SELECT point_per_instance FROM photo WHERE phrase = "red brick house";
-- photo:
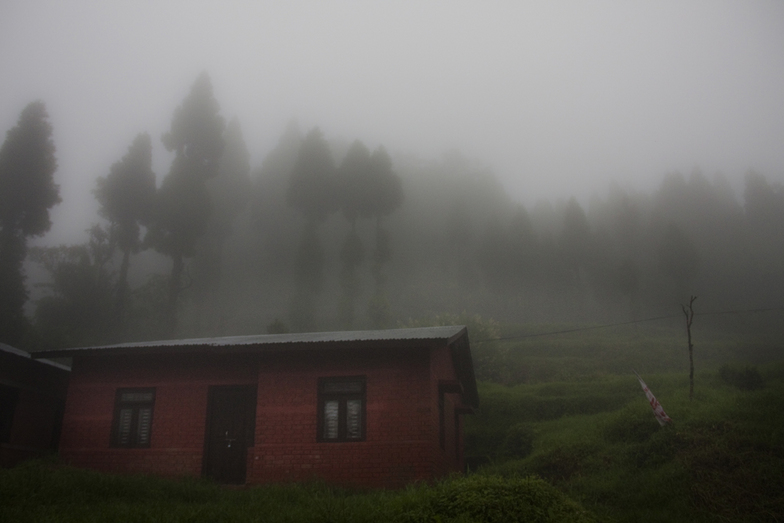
(32, 396)
(376, 408)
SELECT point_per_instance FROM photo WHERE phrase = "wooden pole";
(689, 313)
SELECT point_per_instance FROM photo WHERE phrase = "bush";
(745, 378)
(518, 442)
(490, 499)
(631, 425)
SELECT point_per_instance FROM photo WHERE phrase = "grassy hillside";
(569, 409)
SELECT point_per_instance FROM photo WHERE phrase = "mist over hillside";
(316, 238)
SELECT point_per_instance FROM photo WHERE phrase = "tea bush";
(491, 499)
(745, 378)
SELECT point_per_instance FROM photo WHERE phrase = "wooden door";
(231, 417)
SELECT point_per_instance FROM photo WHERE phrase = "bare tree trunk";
(689, 313)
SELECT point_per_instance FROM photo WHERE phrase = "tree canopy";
(127, 193)
(312, 188)
(27, 166)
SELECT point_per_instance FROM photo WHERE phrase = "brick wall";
(398, 428)
(402, 434)
(177, 436)
(449, 458)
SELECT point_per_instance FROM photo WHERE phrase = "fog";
(336, 165)
(555, 98)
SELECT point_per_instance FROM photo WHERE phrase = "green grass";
(47, 491)
(589, 354)
(723, 457)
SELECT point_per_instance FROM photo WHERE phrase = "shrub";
(519, 441)
(631, 425)
(744, 378)
(490, 499)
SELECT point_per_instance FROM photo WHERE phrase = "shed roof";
(454, 336)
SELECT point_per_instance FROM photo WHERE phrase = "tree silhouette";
(273, 226)
(182, 204)
(27, 192)
(575, 239)
(126, 196)
(460, 239)
(79, 310)
(627, 279)
(764, 205)
(229, 193)
(763, 238)
(385, 195)
(312, 188)
(312, 191)
(494, 257)
(523, 248)
(354, 178)
(678, 258)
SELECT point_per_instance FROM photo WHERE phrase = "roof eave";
(242, 348)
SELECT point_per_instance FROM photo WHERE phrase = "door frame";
(250, 411)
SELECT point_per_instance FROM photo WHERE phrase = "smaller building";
(32, 397)
(370, 408)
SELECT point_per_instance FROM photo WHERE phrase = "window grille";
(132, 425)
(341, 409)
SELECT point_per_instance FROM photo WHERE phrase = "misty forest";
(331, 235)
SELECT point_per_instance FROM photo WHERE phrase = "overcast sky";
(557, 97)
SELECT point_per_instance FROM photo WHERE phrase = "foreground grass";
(721, 459)
(46, 491)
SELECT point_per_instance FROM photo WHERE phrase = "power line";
(608, 325)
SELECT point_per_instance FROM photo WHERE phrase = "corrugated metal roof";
(421, 333)
(24, 354)
(14, 350)
(454, 335)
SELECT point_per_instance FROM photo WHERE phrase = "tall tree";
(182, 204)
(311, 191)
(270, 213)
(575, 239)
(354, 187)
(27, 192)
(523, 249)
(764, 238)
(385, 195)
(126, 196)
(678, 258)
(229, 194)
(494, 257)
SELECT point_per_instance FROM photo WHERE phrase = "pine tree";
(354, 177)
(182, 204)
(312, 191)
(386, 195)
(126, 196)
(27, 192)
